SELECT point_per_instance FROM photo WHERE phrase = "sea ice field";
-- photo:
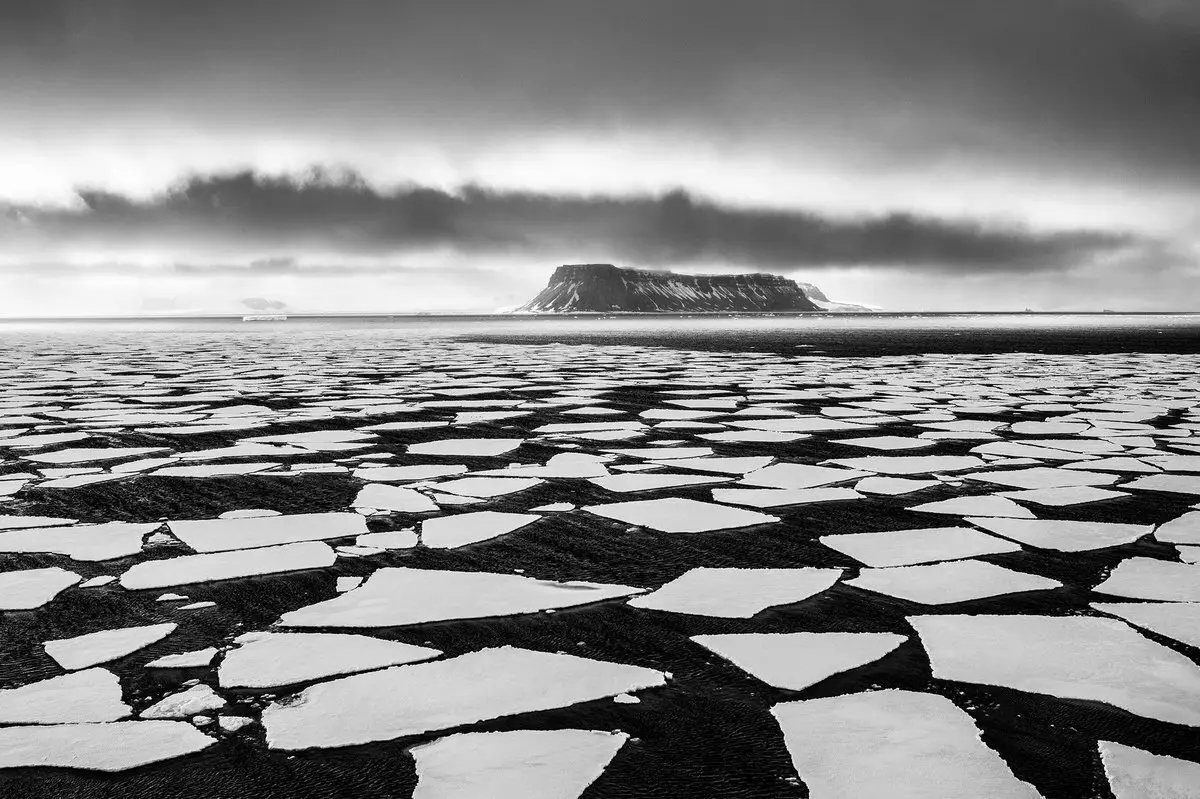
(533, 562)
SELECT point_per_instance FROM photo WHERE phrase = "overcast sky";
(372, 155)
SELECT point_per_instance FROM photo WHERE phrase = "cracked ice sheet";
(211, 567)
(267, 660)
(397, 596)
(91, 695)
(795, 661)
(1177, 620)
(114, 746)
(426, 697)
(1147, 578)
(31, 588)
(1137, 774)
(105, 645)
(447, 532)
(1074, 657)
(531, 764)
(908, 547)
(892, 745)
(218, 535)
(1062, 535)
(946, 583)
(736, 593)
(88, 542)
(675, 515)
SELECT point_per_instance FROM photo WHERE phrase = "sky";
(159, 156)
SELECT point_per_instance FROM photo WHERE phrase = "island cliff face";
(603, 288)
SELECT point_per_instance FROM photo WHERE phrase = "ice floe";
(466, 447)
(447, 532)
(394, 498)
(393, 597)
(426, 697)
(531, 764)
(892, 745)
(794, 661)
(185, 660)
(1184, 529)
(736, 593)
(85, 542)
(268, 660)
(778, 497)
(1065, 496)
(1045, 477)
(911, 464)
(985, 505)
(488, 487)
(208, 567)
(1177, 620)
(908, 547)
(115, 746)
(677, 515)
(642, 481)
(1075, 657)
(892, 486)
(189, 702)
(91, 695)
(799, 475)
(105, 645)
(1063, 535)
(407, 474)
(219, 535)
(1147, 578)
(946, 583)
(1137, 774)
(27, 589)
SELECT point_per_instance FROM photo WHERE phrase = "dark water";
(709, 733)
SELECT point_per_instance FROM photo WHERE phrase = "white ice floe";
(664, 453)
(1147, 578)
(753, 437)
(345, 584)
(19, 522)
(466, 447)
(986, 505)
(1062, 535)
(946, 583)
(397, 596)
(488, 487)
(643, 481)
(893, 745)
(892, 486)
(96, 582)
(554, 507)
(888, 443)
(394, 498)
(1137, 774)
(170, 597)
(738, 466)
(1189, 554)
(800, 424)
(736, 593)
(1118, 464)
(248, 513)
(233, 723)
(675, 515)
(189, 569)
(447, 532)
(1064, 496)
(190, 702)
(531, 764)
(89, 542)
(1075, 657)
(407, 474)
(93, 455)
(27, 589)
(794, 661)
(198, 658)
(100, 647)
(1048, 428)
(799, 475)
(1184, 529)
(268, 660)
(215, 470)
(908, 547)
(219, 535)
(1177, 620)
(197, 605)
(391, 539)
(426, 697)
(778, 497)
(911, 464)
(92, 695)
(1045, 477)
(115, 746)
(1167, 483)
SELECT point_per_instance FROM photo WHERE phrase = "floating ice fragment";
(1075, 657)
(1044, 477)
(214, 470)
(891, 486)
(219, 535)
(91, 455)
(234, 723)
(100, 647)
(27, 589)
(100, 747)
(1147, 578)
(799, 475)
(404, 474)
(249, 513)
(447, 532)
(892, 745)
(555, 507)
(345, 584)
(778, 497)
(1062, 535)
(397, 596)
(986, 505)
(794, 661)
(641, 481)
(410, 700)
(185, 660)
(911, 464)
(736, 593)
(1167, 483)
(946, 583)
(1177, 620)
(193, 701)
(91, 695)
(393, 498)
(885, 442)
(1062, 497)
(18, 522)
(188, 569)
(487, 487)
(907, 547)
(96, 582)
(1182, 530)
(531, 764)
(466, 447)
(89, 542)
(675, 515)
(392, 539)
(267, 660)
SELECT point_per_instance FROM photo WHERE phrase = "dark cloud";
(338, 213)
(1107, 85)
